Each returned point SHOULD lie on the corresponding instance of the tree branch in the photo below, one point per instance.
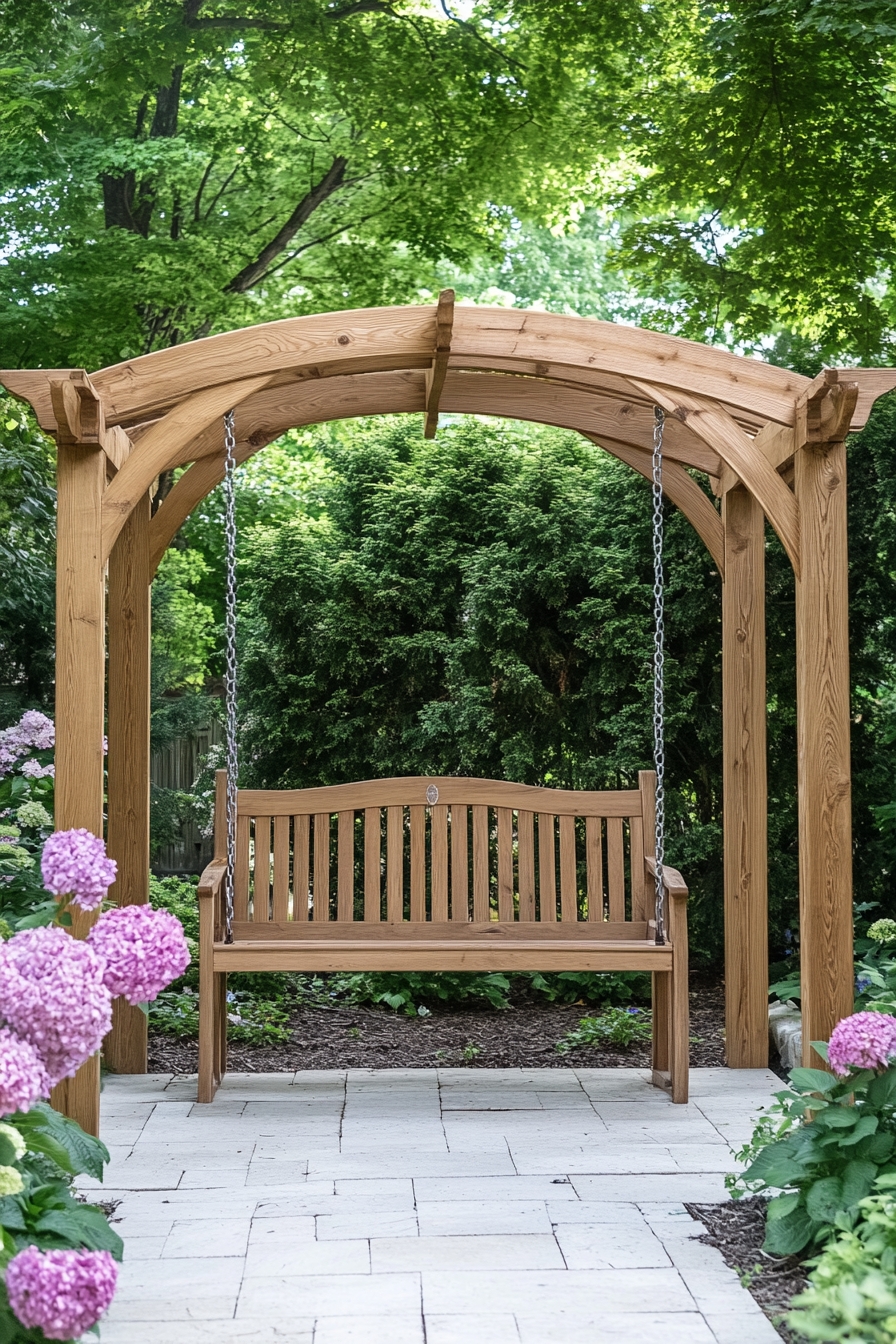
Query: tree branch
(360, 7)
(235, 21)
(331, 181)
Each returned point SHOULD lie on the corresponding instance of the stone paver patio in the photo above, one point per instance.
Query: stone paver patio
(447, 1206)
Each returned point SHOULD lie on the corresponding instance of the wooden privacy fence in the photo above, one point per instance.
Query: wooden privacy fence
(442, 874)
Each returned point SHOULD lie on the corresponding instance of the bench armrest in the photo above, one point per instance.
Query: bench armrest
(673, 881)
(212, 879)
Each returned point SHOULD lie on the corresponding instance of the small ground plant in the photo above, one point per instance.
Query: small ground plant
(615, 1026)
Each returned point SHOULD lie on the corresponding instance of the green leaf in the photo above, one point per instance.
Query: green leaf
(821, 1048)
(46, 1131)
(7, 1151)
(81, 1226)
(858, 1178)
(867, 1125)
(812, 1080)
(825, 1199)
(788, 1235)
(837, 1117)
(882, 1090)
(12, 1215)
(781, 1206)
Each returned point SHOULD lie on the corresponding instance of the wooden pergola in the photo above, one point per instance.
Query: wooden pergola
(770, 442)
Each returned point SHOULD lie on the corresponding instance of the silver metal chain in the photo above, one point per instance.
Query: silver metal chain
(230, 662)
(659, 709)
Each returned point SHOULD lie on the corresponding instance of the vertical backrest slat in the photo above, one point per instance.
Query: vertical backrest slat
(525, 825)
(481, 911)
(394, 855)
(505, 865)
(547, 873)
(460, 876)
(221, 814)
(281, 870)
(439, 864)
(261, 872)
(569, 912)
(241, 870)
(636, 860)
(301, 841)
(418, 864)
(647, 786)
(321, 906)
(594, 866)
(345, 866)
(372, 872)
(615, 868)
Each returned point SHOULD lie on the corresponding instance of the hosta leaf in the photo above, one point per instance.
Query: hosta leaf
(825, 1199)
(781, 1206)
(858, 1178)
(866, 1126)
(788, 1235)
(838, 1117)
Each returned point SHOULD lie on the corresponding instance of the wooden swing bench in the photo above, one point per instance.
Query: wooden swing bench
(443, 874)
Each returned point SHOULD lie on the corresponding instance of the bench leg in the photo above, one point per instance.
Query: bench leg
(211, 1001)
(680, 1021)
(221, 1035)
(661, 1045)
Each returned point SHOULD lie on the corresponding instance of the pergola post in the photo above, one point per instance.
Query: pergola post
(80, 684)
(124, 1049)
(745, 787)
(823, 719)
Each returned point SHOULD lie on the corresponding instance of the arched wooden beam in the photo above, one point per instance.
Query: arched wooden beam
(683, 491)
(374, 340)
(162, 446)
(265, 418)
(720, 432)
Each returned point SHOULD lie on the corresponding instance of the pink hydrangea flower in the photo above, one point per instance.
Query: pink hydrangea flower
(23, 1078)
(62, 1293)
(52, 995)
(75, 863)
(33, 769)
(36, 730)
(862, 1041)
(143, 949)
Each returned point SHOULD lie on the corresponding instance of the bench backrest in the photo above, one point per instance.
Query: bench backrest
(440, 850)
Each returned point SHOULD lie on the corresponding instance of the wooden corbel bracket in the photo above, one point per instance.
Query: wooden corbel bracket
(80, 419)
(825, 409)
(435, 374)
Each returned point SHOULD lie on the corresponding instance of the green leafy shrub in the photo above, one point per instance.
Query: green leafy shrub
(615, 1026)
(252, 1020)
(601, 987)
(823, 1144)
(412, 991)
(851, 1298)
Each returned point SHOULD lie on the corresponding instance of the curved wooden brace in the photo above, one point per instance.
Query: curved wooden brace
(684, 493)
(719, 431)
(372, 340)
(269, 414)
(162, 447)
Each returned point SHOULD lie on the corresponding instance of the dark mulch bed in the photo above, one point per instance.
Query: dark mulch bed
(523, 1036)
(737, 1229)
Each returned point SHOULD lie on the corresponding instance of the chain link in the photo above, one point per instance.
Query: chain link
(659, 753)
(230, 663)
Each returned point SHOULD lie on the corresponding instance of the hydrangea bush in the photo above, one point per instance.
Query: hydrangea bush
(58, 1256)
(828, 1137)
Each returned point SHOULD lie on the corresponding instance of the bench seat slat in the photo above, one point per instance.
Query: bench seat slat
(449, 955)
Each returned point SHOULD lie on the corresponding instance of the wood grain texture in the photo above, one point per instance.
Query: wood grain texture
(823, 745)
(594, 868)
(321, 889)
(369, 956)
(418, 863)
(127, 763)
(407, 790)
(568, 894)
(280, 905)
(526, 864)
(615, 868)
(301, 867)
(435, 375)
(394, 864)
(345, 865)
(460, 866)
(241, 870)
(481, 912)
(745, 815)
(438, 869)
(722, 433)
(547, 869)
(261, 871)
(372, 865)
(80, 691)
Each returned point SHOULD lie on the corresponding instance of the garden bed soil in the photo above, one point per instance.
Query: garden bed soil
(523, 1036)
(737, 1229)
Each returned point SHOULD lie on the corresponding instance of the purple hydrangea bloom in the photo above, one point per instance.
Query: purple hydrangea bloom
(23, 1078)
(52, 995)
(62, 1293)
(144, 950)
(75, 863)
(36, 730)
(862, 1041)
(33, 769)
